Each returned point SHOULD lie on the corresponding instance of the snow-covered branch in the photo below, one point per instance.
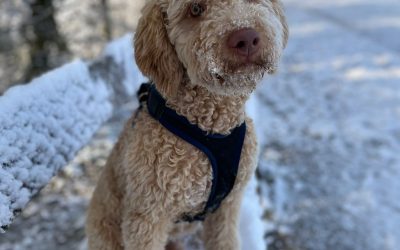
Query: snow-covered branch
(44, 123)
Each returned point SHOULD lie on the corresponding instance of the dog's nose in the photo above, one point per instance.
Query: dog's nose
(245, 42)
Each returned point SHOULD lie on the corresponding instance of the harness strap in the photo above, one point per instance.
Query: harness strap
(223, 151)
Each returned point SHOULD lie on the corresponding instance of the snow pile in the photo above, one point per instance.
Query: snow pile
(43, 124)
(252, 228)
(332, 138)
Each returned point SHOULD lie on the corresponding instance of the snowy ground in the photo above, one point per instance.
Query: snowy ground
(331, 128)
(328, 122)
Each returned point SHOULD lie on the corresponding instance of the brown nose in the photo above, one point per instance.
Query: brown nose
(245, 42)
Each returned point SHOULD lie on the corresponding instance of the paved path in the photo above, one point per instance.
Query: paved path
(331, 127)
(378, 21)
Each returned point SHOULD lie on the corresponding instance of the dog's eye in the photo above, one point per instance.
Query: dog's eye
(196, 9)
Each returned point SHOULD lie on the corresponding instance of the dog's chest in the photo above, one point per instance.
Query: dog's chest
(182, 172)
(188, 177)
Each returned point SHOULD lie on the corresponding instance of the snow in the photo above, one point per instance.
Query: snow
(40, 135)
(251, 226)
(44, 123)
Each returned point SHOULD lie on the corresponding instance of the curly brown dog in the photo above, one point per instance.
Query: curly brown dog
(205, 57)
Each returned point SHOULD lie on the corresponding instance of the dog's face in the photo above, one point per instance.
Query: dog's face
(225, 46)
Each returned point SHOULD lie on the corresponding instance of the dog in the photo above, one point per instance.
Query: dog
(204, 58)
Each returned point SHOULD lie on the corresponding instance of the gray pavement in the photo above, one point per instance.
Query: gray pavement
(331, 128)
(377, 20)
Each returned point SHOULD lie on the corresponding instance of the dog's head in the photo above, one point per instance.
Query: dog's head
(225, 46)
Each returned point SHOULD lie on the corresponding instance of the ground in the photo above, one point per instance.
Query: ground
(328, 123)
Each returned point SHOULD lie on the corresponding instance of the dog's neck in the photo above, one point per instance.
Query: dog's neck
(212, 113)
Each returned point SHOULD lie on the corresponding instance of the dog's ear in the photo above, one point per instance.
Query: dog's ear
(154, 53)
(278, 8)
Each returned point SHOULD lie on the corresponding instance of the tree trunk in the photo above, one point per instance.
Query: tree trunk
(44, 38)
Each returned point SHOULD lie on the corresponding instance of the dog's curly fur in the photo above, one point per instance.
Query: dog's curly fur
(152, 177)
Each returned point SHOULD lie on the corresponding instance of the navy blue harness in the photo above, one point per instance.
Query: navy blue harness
(223, 151)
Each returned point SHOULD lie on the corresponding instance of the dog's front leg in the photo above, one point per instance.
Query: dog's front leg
(145, 231)
(221, 230)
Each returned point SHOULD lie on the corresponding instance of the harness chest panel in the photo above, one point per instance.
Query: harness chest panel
(223, 151)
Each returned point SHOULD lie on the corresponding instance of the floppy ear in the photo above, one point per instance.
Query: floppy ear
(154, 53)
(278, 7)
